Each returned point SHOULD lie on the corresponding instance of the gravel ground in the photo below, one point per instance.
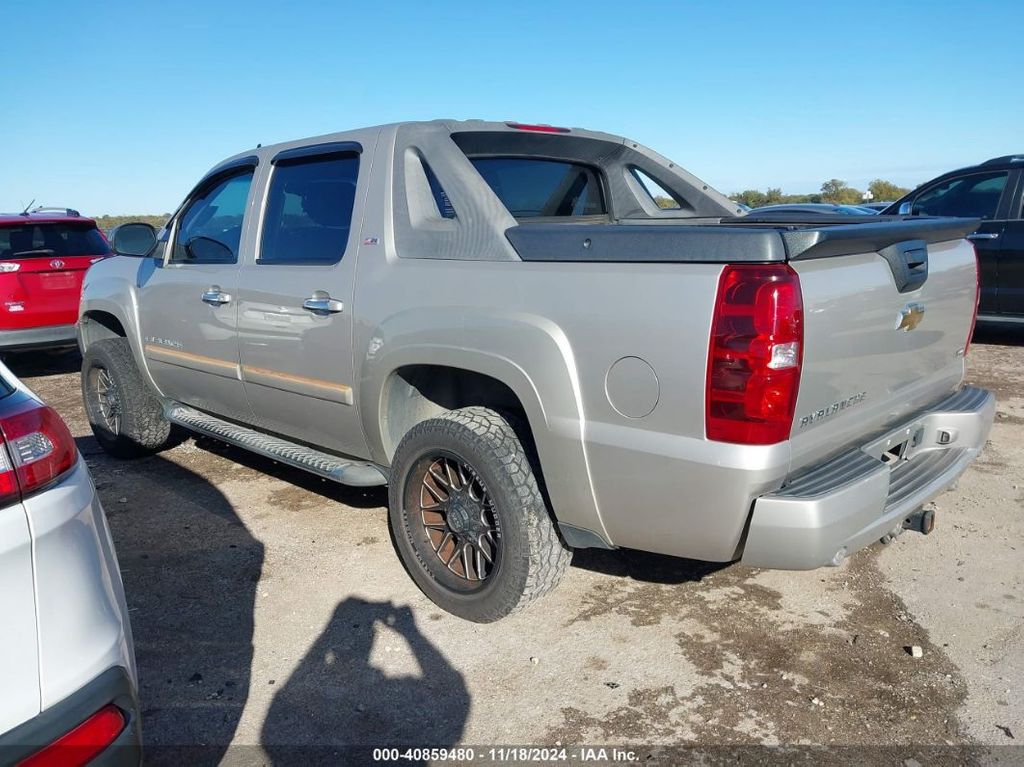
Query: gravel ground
(270, 610)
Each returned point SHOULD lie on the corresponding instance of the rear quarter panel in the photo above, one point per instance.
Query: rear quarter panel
(650, 482)
(19, 660)
(83, 617)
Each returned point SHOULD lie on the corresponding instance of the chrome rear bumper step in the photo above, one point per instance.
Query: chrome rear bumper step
(342, 470)
(825, 514)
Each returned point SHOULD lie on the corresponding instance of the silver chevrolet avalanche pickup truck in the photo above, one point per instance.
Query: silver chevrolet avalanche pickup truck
(542, 339)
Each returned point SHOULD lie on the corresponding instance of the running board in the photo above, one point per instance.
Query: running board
(347, 472)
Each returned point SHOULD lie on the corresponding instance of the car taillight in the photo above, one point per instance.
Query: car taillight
(977, 301)
(755, 355)
(39, 449)
(9, 266)
(82, 744)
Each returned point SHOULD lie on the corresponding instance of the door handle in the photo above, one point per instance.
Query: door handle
(321, 303)
(215, 297)
(983, 236)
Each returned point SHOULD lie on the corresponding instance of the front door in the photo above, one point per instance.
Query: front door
(295, 300)
(188, 307)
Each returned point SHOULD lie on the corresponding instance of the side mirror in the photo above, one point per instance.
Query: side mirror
(133, 239)
(906, 209)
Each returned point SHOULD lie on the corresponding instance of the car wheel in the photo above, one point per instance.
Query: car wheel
(468, 518)
(125, 416)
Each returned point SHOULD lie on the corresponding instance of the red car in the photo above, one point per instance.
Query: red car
(43, 258)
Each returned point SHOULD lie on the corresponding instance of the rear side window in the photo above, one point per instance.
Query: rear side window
(309, 210)
(49, 240)
(531, 187)
(659, 195)
(973, 196)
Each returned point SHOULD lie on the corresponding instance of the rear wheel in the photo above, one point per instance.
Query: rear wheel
(468, 519)
(125, 416)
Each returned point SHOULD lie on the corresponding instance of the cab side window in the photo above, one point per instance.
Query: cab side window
(309, 210)
(974, 196)
(210, 228)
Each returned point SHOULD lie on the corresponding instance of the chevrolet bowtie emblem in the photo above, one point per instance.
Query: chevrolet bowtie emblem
(910, 317)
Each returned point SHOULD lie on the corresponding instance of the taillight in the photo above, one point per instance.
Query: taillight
(39, 449)
(755, 355)
(82, 744)
(9, 266)
(977, 301)
(538, 128)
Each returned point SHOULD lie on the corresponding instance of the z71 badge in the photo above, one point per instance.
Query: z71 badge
(835, 407)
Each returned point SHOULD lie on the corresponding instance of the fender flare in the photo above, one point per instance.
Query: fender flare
(529, 354)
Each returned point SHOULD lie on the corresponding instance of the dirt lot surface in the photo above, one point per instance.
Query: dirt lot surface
(269, 608)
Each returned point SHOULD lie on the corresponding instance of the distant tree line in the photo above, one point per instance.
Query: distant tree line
(833, 191)
(106, 223)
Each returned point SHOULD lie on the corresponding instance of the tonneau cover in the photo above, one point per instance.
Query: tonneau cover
(780, 237)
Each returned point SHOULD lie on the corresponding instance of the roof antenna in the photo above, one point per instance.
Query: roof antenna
(25, 212)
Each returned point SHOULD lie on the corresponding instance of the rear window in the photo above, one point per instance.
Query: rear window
(531, 187)
(49, 240)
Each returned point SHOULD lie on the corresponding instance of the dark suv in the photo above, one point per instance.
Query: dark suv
(991, 191)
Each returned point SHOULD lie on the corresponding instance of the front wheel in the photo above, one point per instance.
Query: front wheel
(125, 416)
(468, 518)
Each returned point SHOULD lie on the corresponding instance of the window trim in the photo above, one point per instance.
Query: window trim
(297, 156)
(219, 174)
(301, 153)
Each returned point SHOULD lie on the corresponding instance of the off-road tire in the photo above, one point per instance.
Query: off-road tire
(533, 558)
(142, 429)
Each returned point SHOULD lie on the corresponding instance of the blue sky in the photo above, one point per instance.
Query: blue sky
(119, 107)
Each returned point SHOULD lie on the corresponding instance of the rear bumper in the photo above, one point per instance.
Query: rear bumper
(112, 686)
(827, 513)
(34, 338)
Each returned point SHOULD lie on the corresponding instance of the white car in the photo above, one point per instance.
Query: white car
(68, 682)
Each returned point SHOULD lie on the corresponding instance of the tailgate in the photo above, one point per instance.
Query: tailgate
(42, 290)
(874, 354)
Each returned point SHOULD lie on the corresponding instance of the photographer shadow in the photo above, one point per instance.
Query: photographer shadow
(190, 568)
(336, 706)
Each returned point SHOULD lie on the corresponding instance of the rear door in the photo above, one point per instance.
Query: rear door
(41, 269)
(1011, 257)
(978, 194)
(188, 300)
(295, 299)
